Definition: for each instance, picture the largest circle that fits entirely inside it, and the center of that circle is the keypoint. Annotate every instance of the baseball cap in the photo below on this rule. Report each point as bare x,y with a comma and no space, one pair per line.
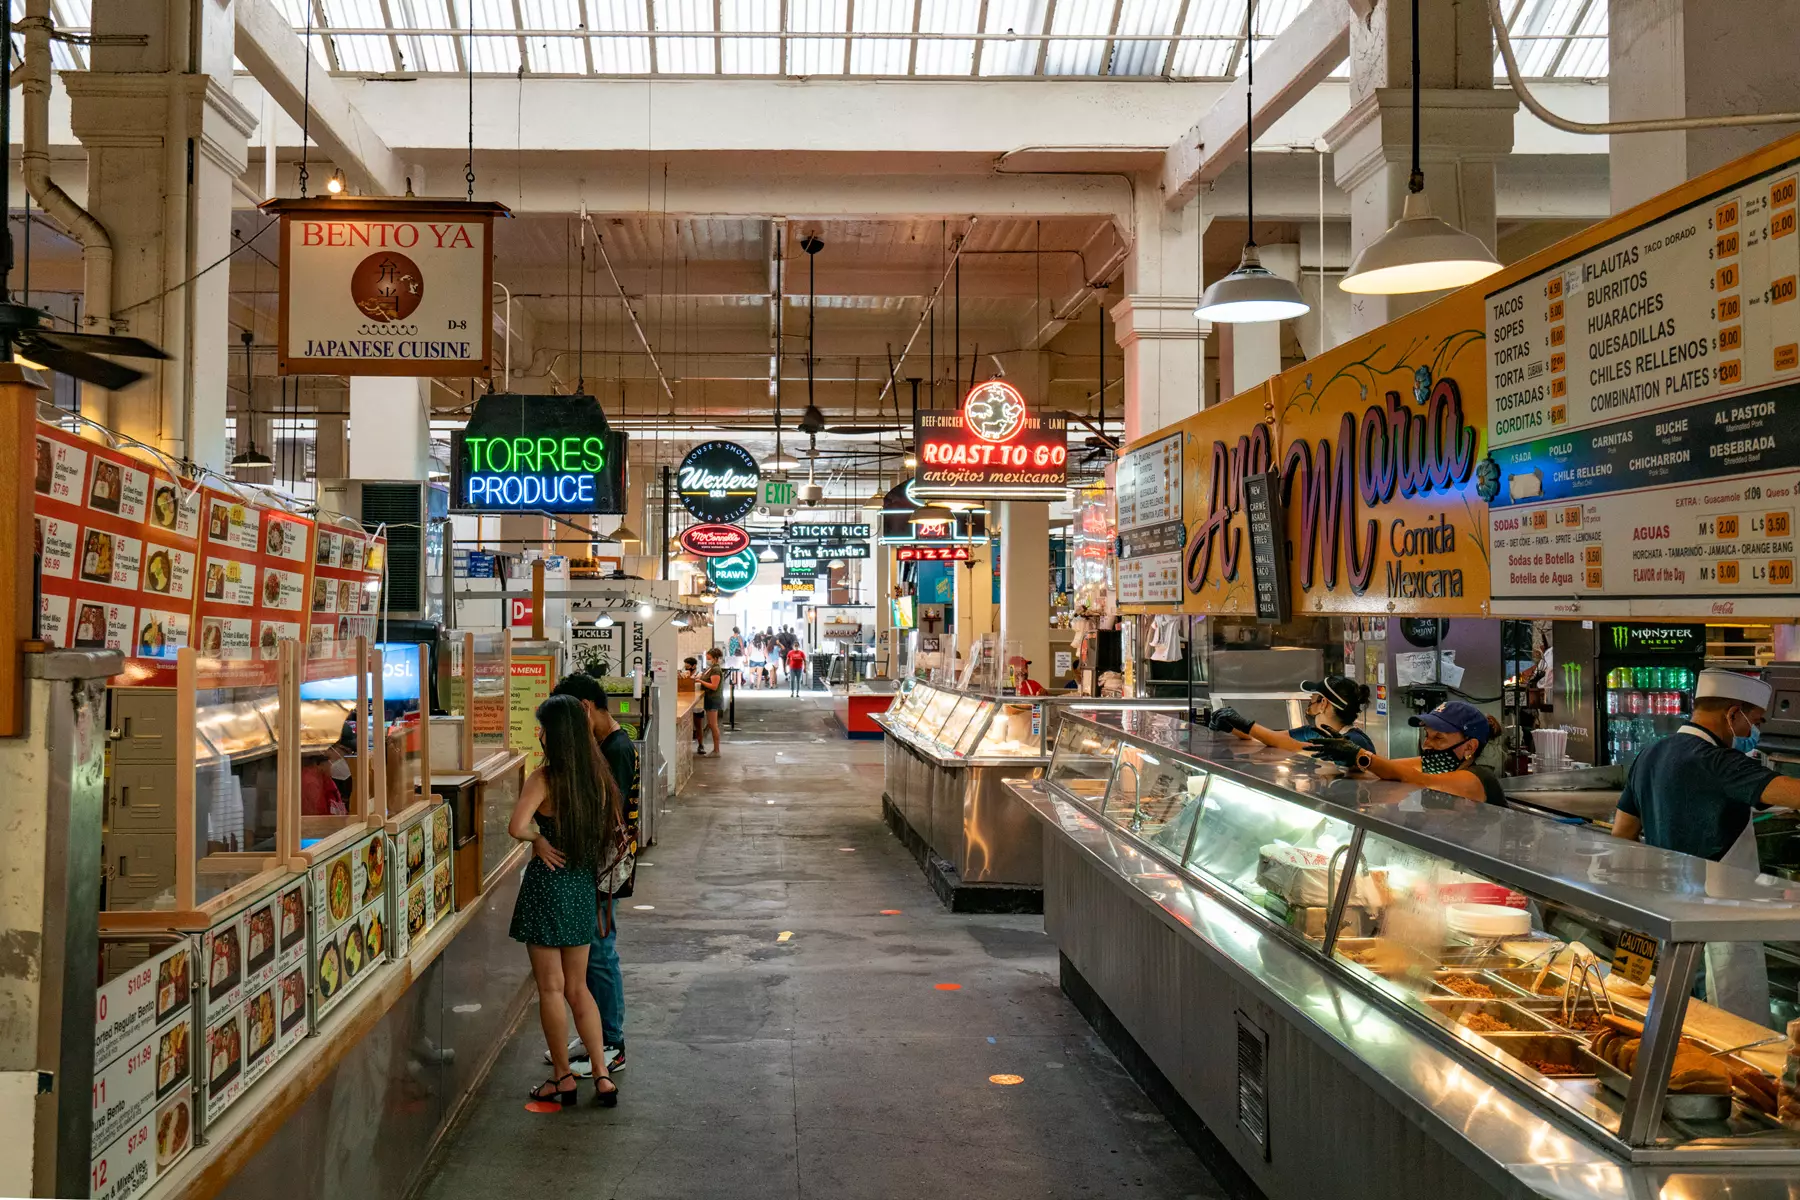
1018,660
1455,716
1336,688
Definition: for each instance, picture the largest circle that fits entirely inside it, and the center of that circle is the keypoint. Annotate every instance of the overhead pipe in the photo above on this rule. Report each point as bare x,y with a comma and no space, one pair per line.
962,239
643,339
96,244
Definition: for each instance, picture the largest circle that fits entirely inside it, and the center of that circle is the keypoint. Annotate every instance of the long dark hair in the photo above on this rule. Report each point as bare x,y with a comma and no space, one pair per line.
588,810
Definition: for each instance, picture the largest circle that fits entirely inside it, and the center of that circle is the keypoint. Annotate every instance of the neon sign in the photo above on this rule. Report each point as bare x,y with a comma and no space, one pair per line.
991,447
537,454
931,553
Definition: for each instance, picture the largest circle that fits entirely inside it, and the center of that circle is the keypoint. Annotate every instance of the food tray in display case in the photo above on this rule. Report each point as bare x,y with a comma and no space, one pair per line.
143,1118
1509,941
350,919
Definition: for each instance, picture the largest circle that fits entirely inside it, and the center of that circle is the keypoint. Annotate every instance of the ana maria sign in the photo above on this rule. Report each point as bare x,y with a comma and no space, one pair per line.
537,454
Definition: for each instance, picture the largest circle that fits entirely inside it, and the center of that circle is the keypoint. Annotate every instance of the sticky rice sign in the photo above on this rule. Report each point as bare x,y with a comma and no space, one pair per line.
386,287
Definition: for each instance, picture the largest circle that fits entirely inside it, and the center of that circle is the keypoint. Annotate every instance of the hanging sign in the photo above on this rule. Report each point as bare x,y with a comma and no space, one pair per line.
827,533
1268,559
537,454
718,482
1151,535
373,286
732,572
992,447
714,541
797,586
932,553
817,553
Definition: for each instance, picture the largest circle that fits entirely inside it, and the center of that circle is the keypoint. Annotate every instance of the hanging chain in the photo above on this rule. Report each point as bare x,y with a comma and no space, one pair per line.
469,167
306,101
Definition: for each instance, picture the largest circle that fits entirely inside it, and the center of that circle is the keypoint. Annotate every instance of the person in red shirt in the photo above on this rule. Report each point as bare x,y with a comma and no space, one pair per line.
1026,685
796,665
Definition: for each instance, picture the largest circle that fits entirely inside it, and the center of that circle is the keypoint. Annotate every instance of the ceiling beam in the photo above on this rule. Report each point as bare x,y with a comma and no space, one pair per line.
1290,66
278,58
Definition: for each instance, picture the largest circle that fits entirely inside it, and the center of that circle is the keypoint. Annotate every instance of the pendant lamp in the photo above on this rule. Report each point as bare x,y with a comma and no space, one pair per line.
1252,292
931,514
1419,253
250,457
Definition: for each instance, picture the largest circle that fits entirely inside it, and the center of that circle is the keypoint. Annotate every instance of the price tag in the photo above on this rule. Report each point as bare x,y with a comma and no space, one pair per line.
1635,956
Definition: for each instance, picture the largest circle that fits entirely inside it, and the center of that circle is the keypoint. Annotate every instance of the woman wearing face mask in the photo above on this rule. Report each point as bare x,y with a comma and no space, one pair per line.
1335,705
1451,737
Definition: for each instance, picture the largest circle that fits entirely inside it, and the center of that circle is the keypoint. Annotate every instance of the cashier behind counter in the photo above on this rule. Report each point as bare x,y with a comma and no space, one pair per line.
1451,738
1694,792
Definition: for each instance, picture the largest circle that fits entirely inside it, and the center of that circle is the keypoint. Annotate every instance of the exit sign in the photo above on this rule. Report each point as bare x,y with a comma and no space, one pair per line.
777,491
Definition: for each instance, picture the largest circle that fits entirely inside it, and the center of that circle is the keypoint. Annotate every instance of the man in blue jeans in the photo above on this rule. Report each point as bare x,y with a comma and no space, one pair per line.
603,978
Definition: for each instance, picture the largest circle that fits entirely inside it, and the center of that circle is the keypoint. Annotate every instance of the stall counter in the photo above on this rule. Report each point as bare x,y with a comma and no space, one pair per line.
856,707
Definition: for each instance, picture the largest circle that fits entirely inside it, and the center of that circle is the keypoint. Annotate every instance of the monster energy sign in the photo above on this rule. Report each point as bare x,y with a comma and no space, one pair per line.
1653,639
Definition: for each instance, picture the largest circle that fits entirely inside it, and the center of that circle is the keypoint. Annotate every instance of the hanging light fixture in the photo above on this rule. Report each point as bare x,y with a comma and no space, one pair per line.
931,514
250,457
768,554
624,534
605,621
1251,293
1418,253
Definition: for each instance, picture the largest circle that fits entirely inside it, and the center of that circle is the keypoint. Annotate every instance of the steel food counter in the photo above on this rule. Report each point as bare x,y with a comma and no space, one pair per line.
1336,978
945,757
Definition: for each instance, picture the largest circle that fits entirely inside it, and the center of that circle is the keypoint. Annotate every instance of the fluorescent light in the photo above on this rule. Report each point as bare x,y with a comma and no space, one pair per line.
1419,253
1252,293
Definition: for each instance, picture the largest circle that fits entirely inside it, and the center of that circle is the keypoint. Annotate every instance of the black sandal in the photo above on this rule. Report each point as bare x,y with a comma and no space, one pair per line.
606,1099
555,1092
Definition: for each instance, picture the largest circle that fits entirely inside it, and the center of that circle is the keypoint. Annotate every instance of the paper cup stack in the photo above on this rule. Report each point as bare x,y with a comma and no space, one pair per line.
1552,748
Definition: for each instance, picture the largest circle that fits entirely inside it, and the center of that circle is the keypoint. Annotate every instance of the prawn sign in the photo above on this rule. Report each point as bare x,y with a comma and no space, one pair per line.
385,287
993,447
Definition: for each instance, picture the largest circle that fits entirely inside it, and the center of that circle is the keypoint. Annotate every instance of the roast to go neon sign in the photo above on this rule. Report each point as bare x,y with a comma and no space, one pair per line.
532,472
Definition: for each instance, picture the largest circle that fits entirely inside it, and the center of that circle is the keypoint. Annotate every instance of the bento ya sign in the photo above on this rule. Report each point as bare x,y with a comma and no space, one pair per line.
537,454
385,287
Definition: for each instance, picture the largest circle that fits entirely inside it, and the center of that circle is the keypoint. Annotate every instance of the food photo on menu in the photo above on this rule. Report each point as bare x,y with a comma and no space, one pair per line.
325,551
374,869
163,505
440,889
415,911
261,950
293,918
225,1055
108,486
218,521
215,580
172,985
331,971
212,636
97,557
174,1129
259,1023
172,1057
153,637
90,626
46,466
276,538
225,969
293,999
158,572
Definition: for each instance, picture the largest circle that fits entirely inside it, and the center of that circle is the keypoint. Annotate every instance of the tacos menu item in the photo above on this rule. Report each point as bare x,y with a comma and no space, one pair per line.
337,890
173,1125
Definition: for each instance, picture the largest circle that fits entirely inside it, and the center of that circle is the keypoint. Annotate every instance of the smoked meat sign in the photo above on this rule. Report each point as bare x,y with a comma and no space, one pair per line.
385,286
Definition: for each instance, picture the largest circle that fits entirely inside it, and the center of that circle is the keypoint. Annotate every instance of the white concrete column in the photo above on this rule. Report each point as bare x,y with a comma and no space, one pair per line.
882,558
1680,58
1025,581
1466,126
1154,323
390,427
974,598
166,140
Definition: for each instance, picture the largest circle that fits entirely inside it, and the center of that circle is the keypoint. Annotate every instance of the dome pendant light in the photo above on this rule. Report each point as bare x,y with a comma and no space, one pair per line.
1419,253
1252,292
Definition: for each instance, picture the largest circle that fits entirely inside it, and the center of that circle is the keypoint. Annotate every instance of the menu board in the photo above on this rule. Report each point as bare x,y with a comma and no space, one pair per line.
253,1003
350,919
343,600
1645,414
143,1118
1268,562
256,569
1151,533
116,554
533,675
421,856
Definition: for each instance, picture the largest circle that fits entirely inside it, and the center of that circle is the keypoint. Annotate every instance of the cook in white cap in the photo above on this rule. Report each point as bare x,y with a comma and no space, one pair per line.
1694,792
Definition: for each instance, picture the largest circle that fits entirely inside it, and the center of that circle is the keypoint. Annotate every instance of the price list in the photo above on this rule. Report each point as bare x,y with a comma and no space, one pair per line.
1151,533
1644,411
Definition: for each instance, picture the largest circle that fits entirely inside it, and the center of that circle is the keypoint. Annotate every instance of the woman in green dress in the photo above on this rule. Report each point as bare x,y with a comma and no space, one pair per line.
571,814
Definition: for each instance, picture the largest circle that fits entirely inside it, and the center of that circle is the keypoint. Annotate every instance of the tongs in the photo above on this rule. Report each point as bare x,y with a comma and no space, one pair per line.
1585,983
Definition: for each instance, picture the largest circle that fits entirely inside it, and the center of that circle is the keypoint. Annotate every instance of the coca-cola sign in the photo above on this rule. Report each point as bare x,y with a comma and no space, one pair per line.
714,541
718,482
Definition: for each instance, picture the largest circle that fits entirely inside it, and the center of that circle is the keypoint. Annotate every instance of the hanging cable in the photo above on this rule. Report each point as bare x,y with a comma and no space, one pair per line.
306,102
469,166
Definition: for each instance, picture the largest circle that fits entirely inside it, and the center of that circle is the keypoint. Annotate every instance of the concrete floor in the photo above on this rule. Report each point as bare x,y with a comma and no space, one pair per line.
832,1064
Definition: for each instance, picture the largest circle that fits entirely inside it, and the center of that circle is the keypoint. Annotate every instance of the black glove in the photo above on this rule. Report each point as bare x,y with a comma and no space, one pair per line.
1342,751
1227,720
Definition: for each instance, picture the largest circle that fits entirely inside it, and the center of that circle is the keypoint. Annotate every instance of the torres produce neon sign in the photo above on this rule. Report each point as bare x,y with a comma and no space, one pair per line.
532,472
537,454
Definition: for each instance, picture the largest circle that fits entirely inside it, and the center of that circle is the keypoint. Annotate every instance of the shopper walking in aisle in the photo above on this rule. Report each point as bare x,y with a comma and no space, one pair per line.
712,689
604,978
734,645
796,665
571,813
757,673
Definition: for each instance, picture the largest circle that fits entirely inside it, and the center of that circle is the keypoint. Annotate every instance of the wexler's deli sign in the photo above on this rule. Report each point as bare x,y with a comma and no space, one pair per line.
993,447
1375,451
375,286
537,454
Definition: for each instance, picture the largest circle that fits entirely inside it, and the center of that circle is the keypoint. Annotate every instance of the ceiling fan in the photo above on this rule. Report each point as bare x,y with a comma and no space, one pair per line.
76,354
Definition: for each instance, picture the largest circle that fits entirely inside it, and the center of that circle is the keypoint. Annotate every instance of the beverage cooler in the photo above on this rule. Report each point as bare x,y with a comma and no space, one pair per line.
1646,675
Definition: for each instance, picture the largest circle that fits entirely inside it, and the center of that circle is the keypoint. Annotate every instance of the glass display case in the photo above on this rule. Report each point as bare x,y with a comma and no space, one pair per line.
1557,962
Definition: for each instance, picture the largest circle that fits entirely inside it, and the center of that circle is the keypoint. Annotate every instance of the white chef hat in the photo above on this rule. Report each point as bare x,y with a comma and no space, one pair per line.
1731,685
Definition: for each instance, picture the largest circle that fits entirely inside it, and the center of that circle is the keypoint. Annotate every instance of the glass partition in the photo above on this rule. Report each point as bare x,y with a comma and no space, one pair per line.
977,729
938,706
1082,763
1015,732
480,670
956,725
500,792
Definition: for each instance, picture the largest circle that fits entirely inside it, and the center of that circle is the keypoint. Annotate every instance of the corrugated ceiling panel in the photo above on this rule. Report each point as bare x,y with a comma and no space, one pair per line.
486,14
881,56
751,56
428,52
1013,16
416,14
816,56
353,14
553,55
1216,26
942,57
1079,17
363,54
1142,17
685,56
615,55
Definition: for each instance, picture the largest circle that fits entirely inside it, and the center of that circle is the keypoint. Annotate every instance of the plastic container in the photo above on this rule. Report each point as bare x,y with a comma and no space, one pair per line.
1487,920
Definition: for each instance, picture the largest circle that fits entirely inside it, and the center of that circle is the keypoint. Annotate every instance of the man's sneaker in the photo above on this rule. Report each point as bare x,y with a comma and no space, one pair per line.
615,1059
583,1066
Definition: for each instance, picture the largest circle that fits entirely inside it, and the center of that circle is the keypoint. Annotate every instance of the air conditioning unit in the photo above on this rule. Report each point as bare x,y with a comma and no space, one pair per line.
412,512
